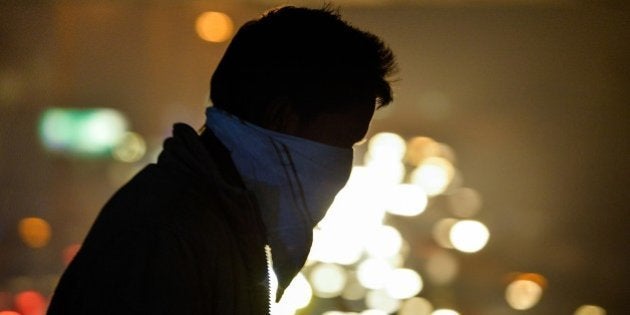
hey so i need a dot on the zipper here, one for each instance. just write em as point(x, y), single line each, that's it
point(270, 294)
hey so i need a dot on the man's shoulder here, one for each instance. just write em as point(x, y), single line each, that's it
point(156, 196)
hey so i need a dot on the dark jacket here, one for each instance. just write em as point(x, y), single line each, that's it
point(182, 237)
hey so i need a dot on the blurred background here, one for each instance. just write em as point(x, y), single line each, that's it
point(496, 183)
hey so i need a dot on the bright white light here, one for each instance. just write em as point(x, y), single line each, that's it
point(373, 312)
point(105, 128)
point(523, 294)
point(384, 242)
point(328, 280)
point(406, 200)
point(590, 310)
point(469, 236)
point(434, 175)
point(358, 207)
point(403, 283)
point(385, 172)
point(297, 295)
point(373, 273)
point(336, 245)
point(444, 311)
point(380, 300)
point(384, 158)
point(355, 213)
point(416, 306)
point(442, 267)
point(386, 146)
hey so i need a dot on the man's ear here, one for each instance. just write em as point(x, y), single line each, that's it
point(280, 116)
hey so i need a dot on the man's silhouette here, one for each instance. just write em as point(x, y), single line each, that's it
point(294, 91)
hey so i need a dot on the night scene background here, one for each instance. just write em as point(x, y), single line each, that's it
point(496, 183)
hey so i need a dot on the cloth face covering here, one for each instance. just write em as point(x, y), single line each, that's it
point(294, 180)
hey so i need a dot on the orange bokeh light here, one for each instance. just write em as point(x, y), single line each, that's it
point(30, 303)
point(35, 232)
point(214, 27)
point(533, 277)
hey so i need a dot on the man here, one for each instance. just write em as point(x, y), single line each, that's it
point(294, 91)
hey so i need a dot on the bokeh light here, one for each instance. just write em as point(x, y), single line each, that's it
point(590, 310)
point(416, 306)
point(469, 236)
point(335, 245)
point(380, 300)
point(406, 200)
point(396, 261)
point(328, 280)
point(403, 283)
point(373, 273)
point(103, 131)
point(355, 214)
point(9, 313)
point(358, 207)
point(420, 148)
point(82, 131)
point(386, 173)
point(30, 303)
point(296, 296)
point(214, 27)
point(57, 128)
point(447, 152)
point(353, 290)
point(131, 148)
point(523, 294)
point(386, 146)
point(434, 175)
point(383, 242)
point(34, 232)
point(442, 232)
point(464, 202)
point(442, 267)
point(537, 278)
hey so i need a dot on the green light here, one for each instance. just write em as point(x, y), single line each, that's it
point(87, 132)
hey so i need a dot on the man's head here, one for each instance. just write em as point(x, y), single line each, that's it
point(304, 72)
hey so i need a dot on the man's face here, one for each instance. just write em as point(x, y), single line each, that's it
point(341, 128)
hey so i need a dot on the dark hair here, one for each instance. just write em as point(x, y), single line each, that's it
point(310, 56)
